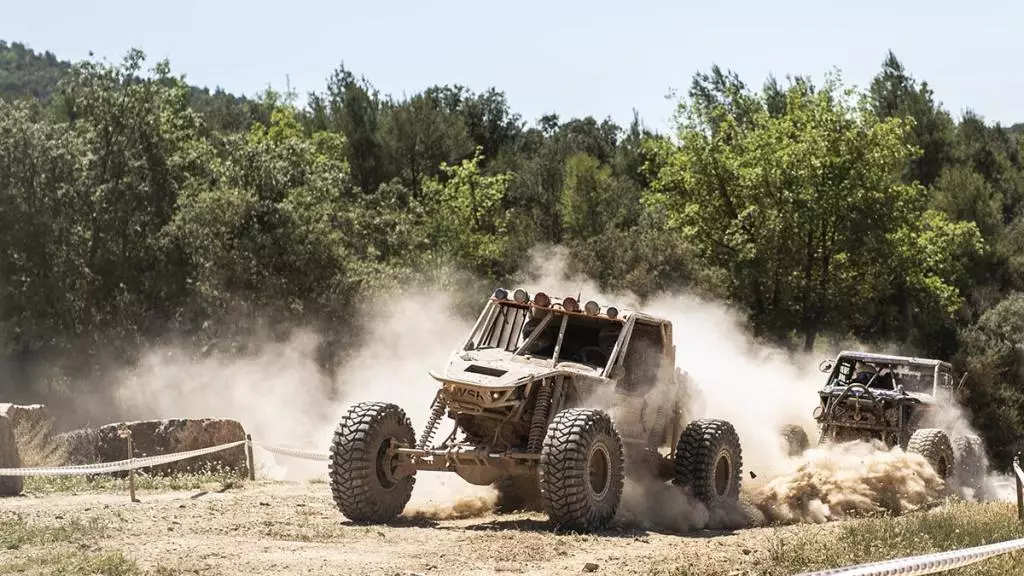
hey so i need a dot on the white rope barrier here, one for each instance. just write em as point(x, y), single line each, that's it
point(926, 564)
point(150, 461)
point(913, 566)
point(294, 452)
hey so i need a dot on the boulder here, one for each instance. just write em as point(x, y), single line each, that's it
point(78, 446)
point(33, 430)
point(155, 437)
point(9, 458)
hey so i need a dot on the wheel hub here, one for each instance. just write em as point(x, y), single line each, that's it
point(386, 465)
point(599, 471)
point(722, 474)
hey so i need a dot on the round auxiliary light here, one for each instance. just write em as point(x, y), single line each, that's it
point(541, 299)
point(612, 312)
point(501, 294)
point(521, 296)
point(570, 304)
point(592, 307)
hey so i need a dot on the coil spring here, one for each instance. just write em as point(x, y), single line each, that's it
point(436, 411)
point(539, 423)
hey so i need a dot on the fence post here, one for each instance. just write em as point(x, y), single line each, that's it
point(248, 457)
point(1017, 468)
point(126, 433)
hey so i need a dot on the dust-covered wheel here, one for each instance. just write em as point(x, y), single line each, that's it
point(362, 470)
point(794, 439)
point(709, 460)
point(969, 452)
point(934, 445)
point(519, 493)
point(582, 469)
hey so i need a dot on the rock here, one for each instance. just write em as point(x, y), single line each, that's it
point(590, 567)
point(79, 447)
point(155, 437)
point(9, 458)
point(33, 426)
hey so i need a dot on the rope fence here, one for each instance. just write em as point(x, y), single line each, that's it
point(913, 566)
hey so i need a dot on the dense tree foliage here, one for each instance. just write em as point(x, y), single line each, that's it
point(135, 208)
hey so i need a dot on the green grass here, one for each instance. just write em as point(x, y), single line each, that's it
point(16, 533)
point(66, 548)
point(956, 526)
point(107, 484)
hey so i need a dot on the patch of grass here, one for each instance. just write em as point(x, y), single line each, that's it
point(106, 484)
point(16, 533)
point(75, 563)
point(956, 526)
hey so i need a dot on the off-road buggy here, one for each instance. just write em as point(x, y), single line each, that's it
point(553, 405)
point(899, 401)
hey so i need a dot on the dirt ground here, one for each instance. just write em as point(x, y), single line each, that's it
point(294, 528)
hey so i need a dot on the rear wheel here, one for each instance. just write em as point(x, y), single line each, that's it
point(581, 469)
point(970, 457)
point(362, 473)
point(518, 493)
point(936, 448)
point(709, 460)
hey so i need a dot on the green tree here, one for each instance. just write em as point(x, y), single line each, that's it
point(800, 209)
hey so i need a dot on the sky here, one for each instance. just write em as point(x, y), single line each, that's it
point(572, 58)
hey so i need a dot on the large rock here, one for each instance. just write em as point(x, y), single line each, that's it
point(33, 429)
point(78, 446)
point(155, 437)
point(9, 458)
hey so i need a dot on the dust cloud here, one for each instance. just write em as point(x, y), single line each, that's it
point(760, 388)
point(849, 480)
point(283, 398)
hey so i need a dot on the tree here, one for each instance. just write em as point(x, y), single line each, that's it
point(895, 94)
point(800, 209)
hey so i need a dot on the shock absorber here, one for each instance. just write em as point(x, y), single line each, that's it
point(539, 423)
point(436, 411)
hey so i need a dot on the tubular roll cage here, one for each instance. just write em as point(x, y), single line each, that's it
point(491, 310)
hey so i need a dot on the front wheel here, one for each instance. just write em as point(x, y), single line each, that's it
point(710, 461)
point(362, 472)
point(582, 469)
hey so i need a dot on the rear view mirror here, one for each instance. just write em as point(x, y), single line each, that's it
point(826, 366)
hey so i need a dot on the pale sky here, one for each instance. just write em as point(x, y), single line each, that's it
point(570, 57)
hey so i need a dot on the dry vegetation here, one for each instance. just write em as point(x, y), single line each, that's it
point(202, 525)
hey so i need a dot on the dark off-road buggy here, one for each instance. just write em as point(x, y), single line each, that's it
point(551, 402)
point(899, 401)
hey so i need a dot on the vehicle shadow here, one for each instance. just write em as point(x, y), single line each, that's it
point(617, 529)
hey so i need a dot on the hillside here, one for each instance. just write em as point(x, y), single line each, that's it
point(24, 73)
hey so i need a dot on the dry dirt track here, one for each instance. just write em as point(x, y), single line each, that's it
point(279, 528)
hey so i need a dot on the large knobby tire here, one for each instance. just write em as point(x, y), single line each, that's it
point(709, 460)
point(362, 481)
point(970, 457)
point(795, 439)
point(582, 469)
point(518, 494)
point(936, 448)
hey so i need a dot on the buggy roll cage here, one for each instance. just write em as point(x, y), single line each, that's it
point(486, 325)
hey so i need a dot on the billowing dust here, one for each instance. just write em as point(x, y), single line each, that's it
point(282, 398)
